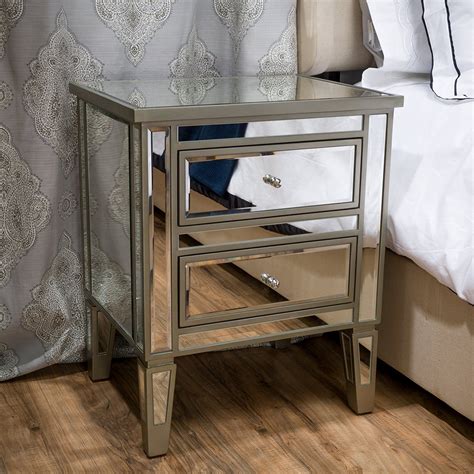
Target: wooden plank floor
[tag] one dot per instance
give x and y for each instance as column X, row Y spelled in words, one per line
column 252, row 410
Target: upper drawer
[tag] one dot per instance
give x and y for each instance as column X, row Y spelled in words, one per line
column 270, row 180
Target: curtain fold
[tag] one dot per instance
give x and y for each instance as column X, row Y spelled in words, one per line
column 43, row 46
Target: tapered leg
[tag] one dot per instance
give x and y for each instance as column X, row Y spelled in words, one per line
column 156, row 389
column 102, row 337
column 360, row 363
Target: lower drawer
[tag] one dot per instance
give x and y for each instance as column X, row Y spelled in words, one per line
column 258, row 282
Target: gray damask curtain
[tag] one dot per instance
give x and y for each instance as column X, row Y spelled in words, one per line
column 44, row 44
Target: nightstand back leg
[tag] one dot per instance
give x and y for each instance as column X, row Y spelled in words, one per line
column 102, row 337
column 156, row 391
column 281, row 344
column 360, row 363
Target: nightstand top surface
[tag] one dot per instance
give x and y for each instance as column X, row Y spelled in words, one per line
column 201, row 97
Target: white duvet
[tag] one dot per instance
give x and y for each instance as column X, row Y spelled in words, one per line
column 431, row 206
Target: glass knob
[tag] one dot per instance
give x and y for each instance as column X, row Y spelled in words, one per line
column 270, row 281
column 272, row 181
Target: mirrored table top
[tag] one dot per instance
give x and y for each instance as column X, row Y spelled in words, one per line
column 179, row 93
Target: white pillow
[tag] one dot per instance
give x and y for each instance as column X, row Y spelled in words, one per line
column 450, row 28
column 402, row 35
column 370, row 38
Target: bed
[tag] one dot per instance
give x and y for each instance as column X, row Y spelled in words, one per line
column 427, row 330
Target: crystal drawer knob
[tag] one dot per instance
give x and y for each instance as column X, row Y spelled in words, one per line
column 272, row 181
column 270, row 281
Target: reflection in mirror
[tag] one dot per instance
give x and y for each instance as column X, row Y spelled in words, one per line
column 89, row 330
column 261, row 280
column 84, row 193
column 256, row 181
column 137, row 226
column 109, row 199
column 305, row 324
column 270, row 128
column 161, row 307
column 348, row 356
column 161, row 384
column 175, row 92
column 365, row 350
column 142, row 390
column 316, row 227
column 371, row 257
column 103, row 332
column 111, row 286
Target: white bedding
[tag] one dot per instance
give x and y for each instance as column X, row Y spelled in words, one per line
column 431, row 206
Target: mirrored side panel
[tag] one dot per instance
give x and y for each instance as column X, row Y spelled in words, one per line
column 371, row 252
column 137, row 220
column 109, row 215
column 160, row 325
column 84, row 188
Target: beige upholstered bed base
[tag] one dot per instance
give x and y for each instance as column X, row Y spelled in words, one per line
column 427, row 333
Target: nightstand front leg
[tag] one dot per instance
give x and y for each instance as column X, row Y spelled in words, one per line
column 360, row 363
column 102, row 339
column 156, row 391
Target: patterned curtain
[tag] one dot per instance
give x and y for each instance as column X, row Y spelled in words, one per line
column 44, row 45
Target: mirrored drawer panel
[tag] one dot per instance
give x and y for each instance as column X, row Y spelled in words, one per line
column 254, row 235
column 294, row 129
column 256, row 282
column 250, row 182
column 300, row 323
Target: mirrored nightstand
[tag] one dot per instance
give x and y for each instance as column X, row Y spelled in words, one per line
column 223, row 212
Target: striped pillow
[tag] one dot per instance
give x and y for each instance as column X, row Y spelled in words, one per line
column 450, row 28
